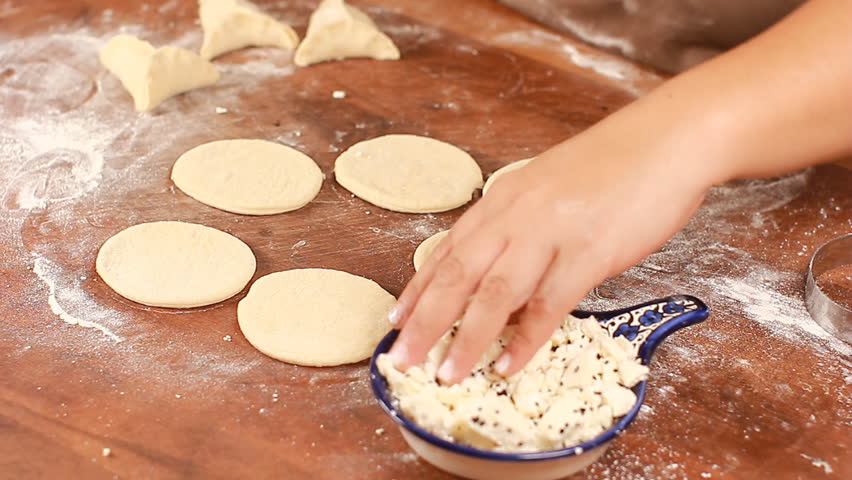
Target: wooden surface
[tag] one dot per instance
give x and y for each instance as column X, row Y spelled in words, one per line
column 755, row 392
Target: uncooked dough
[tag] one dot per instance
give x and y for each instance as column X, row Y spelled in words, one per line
column 153, row 75
column 175, row 264
column 409, row 173
column 504, row 170
column 253, row 177
column 425, row 249
column 233, row 24
column 572, row 390
column 315, row 316
column 337, row 30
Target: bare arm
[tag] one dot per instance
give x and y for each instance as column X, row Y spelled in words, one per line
column 548, row 233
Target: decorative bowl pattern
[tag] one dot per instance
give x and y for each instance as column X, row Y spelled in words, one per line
column 645, row 326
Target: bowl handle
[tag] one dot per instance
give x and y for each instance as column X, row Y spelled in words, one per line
column 648, row 324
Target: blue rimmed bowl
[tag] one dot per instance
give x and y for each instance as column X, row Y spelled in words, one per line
column 645, row 326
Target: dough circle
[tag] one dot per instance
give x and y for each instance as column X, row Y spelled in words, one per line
column 175, row 264
column 504, row 170
column 315, row 317
column 253, row 177
column 409, row 173
column 425, row 249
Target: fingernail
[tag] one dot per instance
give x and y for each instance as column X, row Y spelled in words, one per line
column 502, row 365
column 395, row 314
column 447, row 372
column 399, row 355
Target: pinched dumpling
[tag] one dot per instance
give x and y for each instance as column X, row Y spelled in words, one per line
column 233, row 24
column 152, row 75
column 337, row 30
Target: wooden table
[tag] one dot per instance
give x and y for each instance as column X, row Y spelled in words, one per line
column 758, row 391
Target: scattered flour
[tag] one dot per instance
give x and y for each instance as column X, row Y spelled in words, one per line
column 705, row 258
column 74, row 299
column 819, row 463
column 606, row 65
column 414, row 230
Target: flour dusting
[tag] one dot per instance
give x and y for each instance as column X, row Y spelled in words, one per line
column 705, row 258
column 94, row 316
column 612, row 67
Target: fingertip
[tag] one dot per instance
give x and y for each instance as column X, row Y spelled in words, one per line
column 399, row 356
column 447, row 372
column 395, row 314
column 503, row 364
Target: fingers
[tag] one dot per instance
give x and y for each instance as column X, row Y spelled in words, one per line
column 472, row 218
column 504, row 289
column 442, row 300
column 562, row 287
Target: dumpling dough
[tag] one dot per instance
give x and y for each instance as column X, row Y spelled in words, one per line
column 337, row 30
column 315, row 317
column 153, row 75
column 504, row 170
column 233, row 24
column 425, row 249
column 408, row 173
column 175, row 264
column 253, row 177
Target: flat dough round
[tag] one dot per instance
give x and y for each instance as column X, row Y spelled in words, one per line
column 175, row 264
column 253, row 177
column 425, row 249
column 504, row 170
column 315, row 317
column 409, row 173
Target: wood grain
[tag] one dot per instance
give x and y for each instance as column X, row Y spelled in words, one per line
column 184, row 395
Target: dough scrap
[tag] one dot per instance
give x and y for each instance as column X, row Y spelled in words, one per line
column 409, row 173
column 315, row 317
column 337, row 30
column 152, row 75
column 233, row 24
column 570, row 392
column 425, row 249
column 504, row 170
column 252, row 177
column 175, row 264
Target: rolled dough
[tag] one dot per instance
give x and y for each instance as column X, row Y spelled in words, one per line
column 504, row 170
column 233, row 24
column 337, row 30
column 253, row 177
column 425, row 249
column 409, row 173
column 175, row 264
column 153, row 75
column 315, row 316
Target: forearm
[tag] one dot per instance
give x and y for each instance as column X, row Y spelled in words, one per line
column 777, row 103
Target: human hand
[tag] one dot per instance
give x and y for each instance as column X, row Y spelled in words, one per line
column 537, row 243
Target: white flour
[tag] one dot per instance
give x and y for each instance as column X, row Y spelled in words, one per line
column 612, row 67
column 704, row 259
column 85, row 311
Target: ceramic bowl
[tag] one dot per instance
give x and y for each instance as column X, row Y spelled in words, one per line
column 645, row 326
